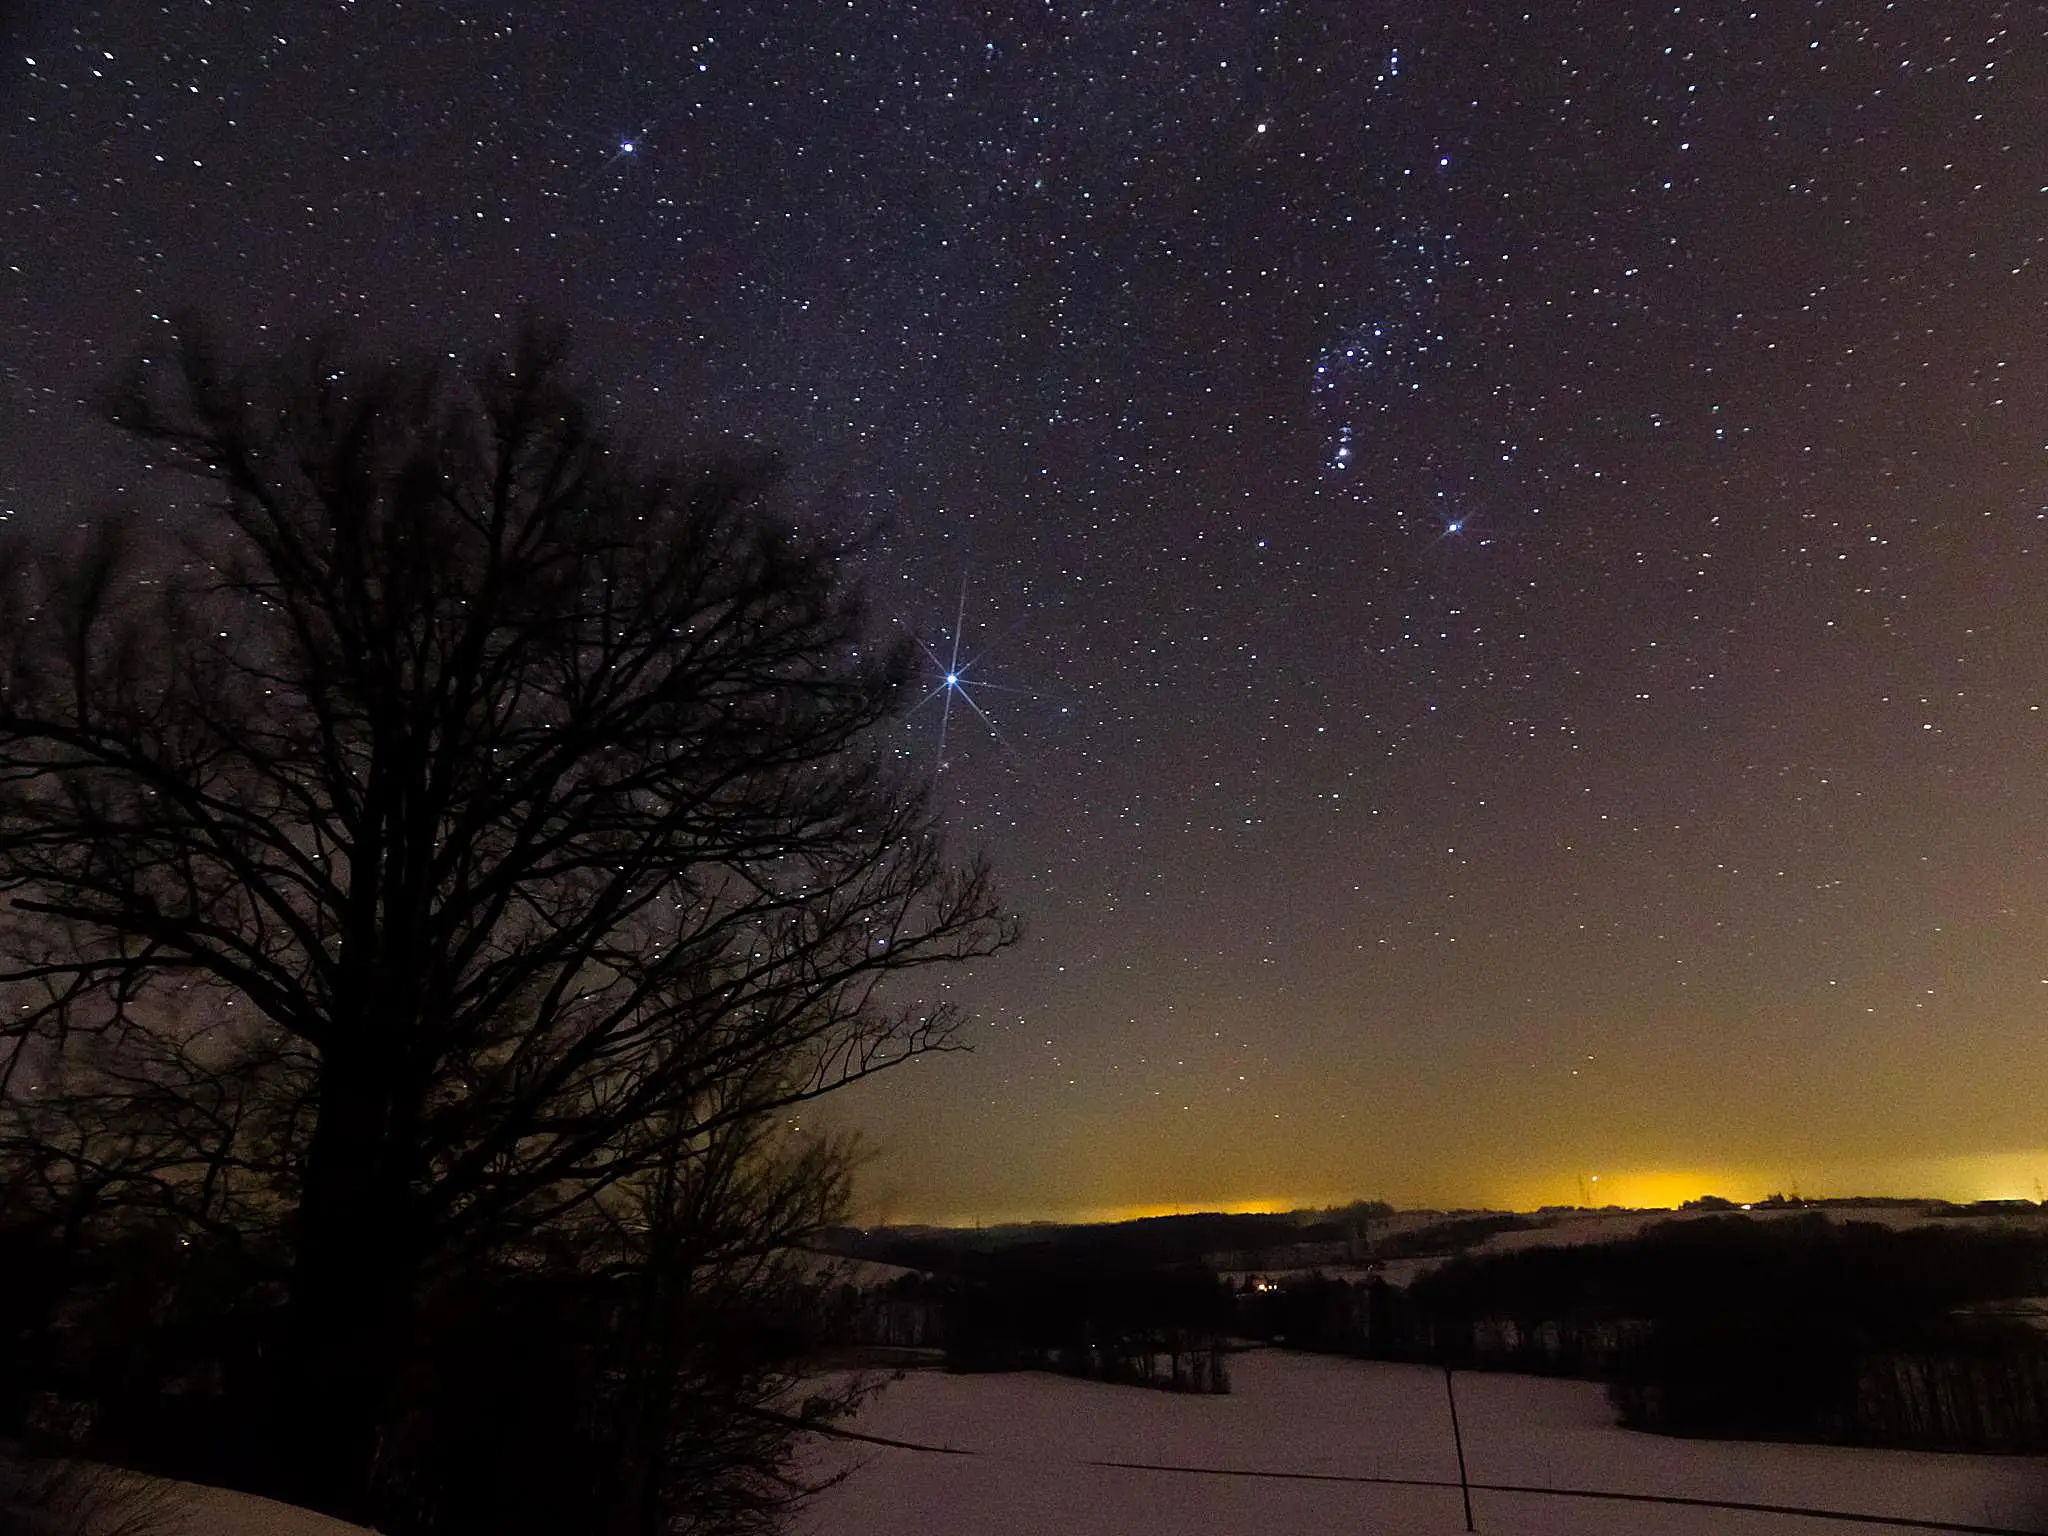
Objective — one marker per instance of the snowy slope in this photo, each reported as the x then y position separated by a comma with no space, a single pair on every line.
216,1512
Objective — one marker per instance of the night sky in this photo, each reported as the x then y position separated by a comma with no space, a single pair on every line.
1504,551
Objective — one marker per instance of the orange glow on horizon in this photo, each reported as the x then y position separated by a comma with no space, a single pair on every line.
1986,1176
1991,1176
1138,1211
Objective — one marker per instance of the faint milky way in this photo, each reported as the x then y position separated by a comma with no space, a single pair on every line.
1529,521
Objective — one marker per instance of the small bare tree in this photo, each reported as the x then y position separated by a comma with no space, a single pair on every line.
464,829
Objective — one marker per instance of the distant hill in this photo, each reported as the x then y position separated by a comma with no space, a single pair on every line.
1369,1231
1152,1240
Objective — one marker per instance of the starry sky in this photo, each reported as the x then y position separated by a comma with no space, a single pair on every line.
1494,557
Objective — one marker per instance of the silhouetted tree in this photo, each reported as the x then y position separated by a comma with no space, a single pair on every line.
461,837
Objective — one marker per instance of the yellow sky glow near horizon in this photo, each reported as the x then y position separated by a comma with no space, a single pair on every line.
2013,1175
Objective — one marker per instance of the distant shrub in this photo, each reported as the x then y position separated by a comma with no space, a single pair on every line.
1754,1373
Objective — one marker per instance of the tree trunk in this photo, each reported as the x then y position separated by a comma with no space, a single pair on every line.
351,1302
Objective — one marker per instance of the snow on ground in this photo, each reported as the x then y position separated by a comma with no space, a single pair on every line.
217,1512
106,1501
1035,1435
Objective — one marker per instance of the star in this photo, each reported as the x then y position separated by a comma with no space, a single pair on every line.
953,677
953,682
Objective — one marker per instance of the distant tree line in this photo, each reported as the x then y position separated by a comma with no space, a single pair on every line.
1795,1328
1161,1326
1151,1240
1092,1302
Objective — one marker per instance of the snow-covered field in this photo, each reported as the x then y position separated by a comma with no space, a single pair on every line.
1039,1441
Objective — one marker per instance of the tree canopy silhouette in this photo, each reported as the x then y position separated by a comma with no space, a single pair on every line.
450,826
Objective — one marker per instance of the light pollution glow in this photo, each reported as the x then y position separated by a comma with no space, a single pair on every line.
2019,1175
